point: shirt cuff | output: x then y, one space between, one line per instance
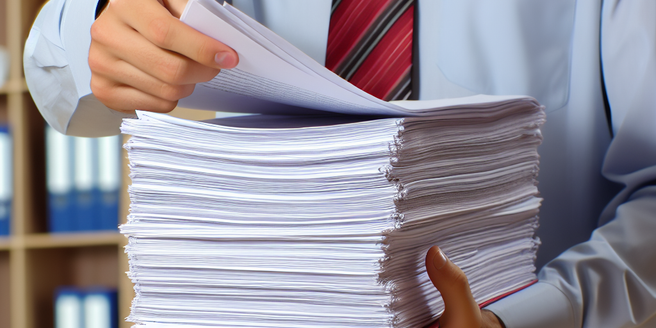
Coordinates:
539 306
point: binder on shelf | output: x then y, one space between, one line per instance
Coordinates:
68 308
59 180
86 193
6 186
86 308
109 180
84 181
100 308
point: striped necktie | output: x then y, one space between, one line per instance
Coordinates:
370 45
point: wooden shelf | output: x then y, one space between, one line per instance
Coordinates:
62 240
14 86
47 240
5 243
5 298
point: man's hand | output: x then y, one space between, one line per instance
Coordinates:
461 310
143 57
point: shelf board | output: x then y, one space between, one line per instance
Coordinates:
13 86
5 243
55 240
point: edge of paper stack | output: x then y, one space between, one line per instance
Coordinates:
325 226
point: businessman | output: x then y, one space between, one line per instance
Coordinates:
592 63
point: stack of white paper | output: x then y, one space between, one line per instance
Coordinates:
322 221
265 221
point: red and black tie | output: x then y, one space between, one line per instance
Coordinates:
370 45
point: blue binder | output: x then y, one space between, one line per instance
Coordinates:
100 308
109 210
68 308
59 178
86 308
6 185
5 218
109 180
85 178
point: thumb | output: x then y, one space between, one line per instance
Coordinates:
461 309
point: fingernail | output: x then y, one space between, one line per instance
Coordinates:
224 60
440 259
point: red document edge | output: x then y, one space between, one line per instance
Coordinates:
436 324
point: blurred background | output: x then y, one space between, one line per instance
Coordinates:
61 199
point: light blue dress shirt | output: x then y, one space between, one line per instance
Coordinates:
601 269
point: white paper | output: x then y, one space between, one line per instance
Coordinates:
274 77
269 221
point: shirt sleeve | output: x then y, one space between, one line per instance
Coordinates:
57 72
610 280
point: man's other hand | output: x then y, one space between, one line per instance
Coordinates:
143 57
461 310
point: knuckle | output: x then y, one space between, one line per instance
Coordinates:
100 90
96 63
177 92
209 74
188 90
96 87
171 92
459 279
118 4
96 31
160 31
175 70
203 51
102 32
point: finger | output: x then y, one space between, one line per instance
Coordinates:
127 99
122 73
461 309
133 48
175 7
155 23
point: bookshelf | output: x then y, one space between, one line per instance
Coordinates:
33 262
